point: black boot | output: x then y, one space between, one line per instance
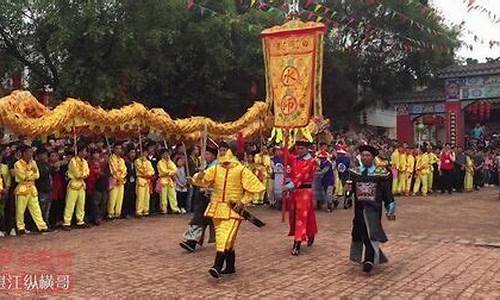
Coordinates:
296 248
310 241
230 259
217 267
188 245
367 267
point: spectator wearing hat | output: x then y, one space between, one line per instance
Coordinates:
324 181
343 162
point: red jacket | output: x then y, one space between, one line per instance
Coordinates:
94 175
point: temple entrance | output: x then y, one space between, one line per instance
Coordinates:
429 129
486 113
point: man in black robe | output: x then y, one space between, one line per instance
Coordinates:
372 191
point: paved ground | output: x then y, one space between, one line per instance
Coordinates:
440 247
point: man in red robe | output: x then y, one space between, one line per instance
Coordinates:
302 218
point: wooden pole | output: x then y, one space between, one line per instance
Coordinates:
74 141
140 140
285 195
186 158
203 148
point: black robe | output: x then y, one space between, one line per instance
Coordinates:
371 192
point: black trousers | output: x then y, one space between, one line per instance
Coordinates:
182 199
129 200
369 251
9 217
56 212
96 207
459 179
478 178
446 181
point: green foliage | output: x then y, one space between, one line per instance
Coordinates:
202 61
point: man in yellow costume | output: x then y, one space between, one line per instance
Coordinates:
433 163
231 182
118 171
78 171
394 169
410 167
144 172
165 185
422 170
402 169
263 160
26 172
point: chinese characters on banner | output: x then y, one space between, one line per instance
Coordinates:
293 56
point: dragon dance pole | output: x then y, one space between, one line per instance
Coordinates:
285 194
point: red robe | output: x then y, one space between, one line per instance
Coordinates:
302 217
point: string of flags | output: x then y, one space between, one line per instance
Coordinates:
315 10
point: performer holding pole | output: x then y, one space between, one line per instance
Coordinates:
78 171
302 217
372 190
145 172
233 186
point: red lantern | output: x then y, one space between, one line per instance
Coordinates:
488 111
482 110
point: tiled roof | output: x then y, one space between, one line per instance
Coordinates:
419 97
470 70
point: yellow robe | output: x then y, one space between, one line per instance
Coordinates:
166 172
394 167
430 178
145 172
410 166
6 177
469 174
78 170
26 194
402 173
118 171
231 182
263 161
421 174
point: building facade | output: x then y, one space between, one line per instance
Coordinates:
471 95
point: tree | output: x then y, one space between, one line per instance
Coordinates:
204 60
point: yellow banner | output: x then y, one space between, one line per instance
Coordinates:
293 56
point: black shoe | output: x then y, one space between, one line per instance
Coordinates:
310 241
189 245
215 270
367 267
66 228
335 204
83 226
44 231
230 260
296 248
21 232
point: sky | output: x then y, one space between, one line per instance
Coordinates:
455 11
